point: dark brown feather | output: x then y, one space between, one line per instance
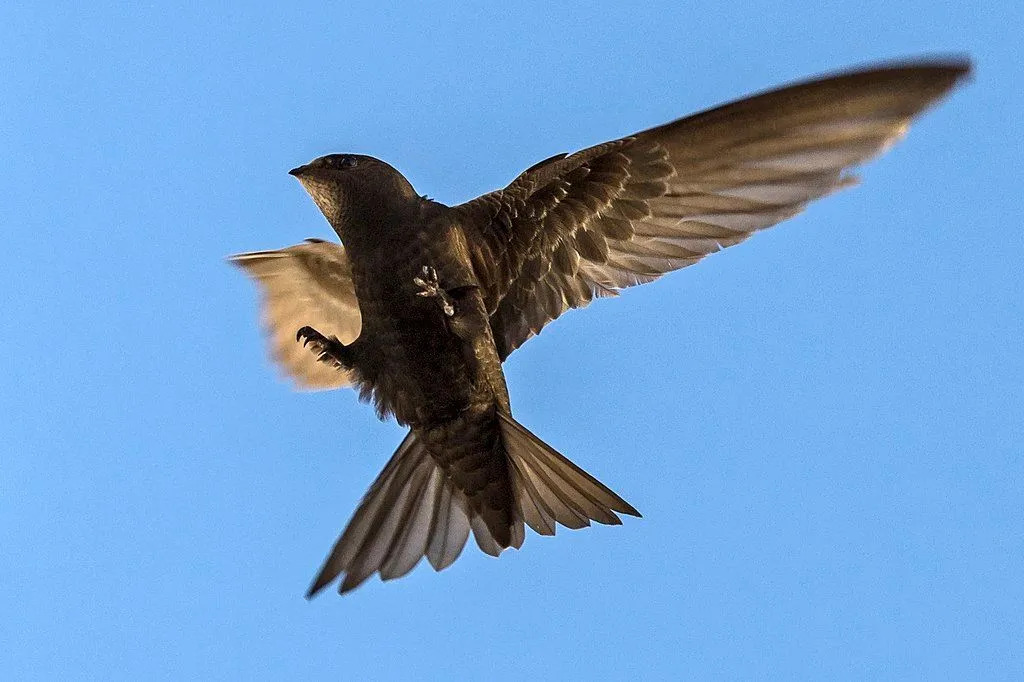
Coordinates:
635 208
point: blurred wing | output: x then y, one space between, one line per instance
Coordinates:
306 284
628 211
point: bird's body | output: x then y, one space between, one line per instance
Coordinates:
424 302
440 375
406 354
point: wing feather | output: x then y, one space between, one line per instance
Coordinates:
306 284
625 212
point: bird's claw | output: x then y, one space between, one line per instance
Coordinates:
325 349
308 334
429 283
432 287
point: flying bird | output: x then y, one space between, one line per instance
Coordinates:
424 302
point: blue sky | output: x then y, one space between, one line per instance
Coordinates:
822 426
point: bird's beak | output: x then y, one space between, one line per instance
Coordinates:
298 172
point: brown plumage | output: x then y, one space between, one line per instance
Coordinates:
424 302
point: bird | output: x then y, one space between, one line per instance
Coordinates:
421 303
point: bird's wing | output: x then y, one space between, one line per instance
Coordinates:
626 212
306 284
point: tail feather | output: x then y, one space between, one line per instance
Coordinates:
416 509
408 512
550 488
410 544
449 531
484 536
375 553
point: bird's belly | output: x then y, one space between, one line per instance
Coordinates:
411 363
410 360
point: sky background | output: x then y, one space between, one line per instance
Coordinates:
822 426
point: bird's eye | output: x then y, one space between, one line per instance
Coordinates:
341 161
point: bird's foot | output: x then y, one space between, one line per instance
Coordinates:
432 288
327 350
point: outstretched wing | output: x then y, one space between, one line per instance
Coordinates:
306 284
628 211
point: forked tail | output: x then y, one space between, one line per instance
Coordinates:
415 508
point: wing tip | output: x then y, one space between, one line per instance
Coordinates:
237 259
954 67
241 259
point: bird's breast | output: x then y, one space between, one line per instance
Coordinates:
409 357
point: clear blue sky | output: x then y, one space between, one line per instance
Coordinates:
822 426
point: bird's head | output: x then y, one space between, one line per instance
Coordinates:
354 189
